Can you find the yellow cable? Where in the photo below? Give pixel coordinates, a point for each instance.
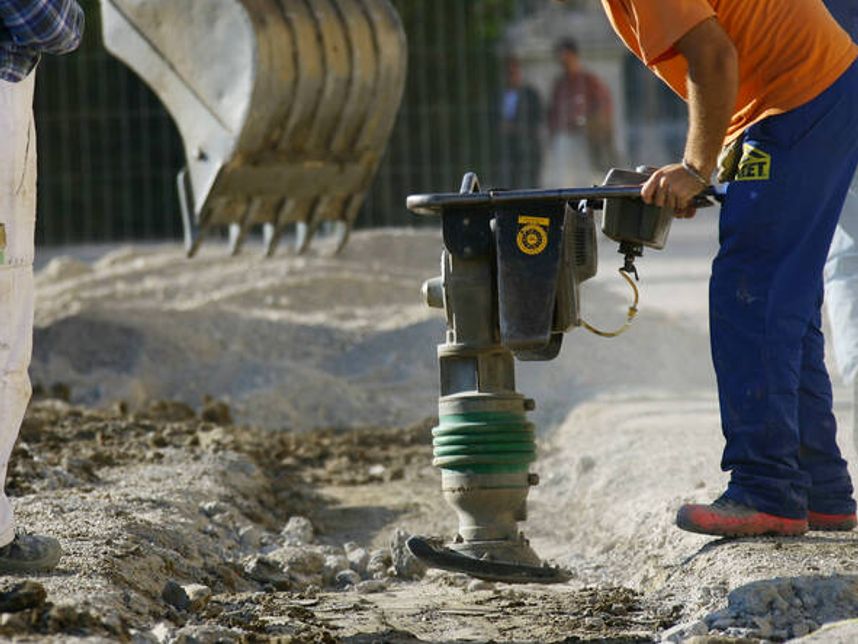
(633, 311)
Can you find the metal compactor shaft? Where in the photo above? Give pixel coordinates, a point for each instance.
(511, 269)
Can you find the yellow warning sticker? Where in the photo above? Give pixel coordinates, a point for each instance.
(755, 165)
(532, 237)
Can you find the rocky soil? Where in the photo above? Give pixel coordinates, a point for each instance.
(181, 527)
(277, 509)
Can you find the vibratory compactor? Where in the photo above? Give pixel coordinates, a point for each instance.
(511, 269)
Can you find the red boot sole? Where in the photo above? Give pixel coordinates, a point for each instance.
(702, 520)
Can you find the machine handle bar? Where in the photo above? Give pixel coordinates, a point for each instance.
(434, 204)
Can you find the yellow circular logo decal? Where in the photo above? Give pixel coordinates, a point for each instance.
(532, 239)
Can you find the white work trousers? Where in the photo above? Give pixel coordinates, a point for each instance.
(841, 287)
(18, 216)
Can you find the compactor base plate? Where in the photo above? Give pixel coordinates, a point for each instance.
(434, 554)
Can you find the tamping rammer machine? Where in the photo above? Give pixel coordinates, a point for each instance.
(511, 269)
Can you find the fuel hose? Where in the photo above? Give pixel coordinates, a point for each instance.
(630, 316)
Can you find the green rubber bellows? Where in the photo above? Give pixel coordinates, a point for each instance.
(484, 442)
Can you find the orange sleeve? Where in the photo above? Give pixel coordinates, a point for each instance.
(660, 23)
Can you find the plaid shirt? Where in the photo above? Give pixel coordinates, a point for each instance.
(29, 28)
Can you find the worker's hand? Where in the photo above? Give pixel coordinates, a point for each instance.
(673, 186)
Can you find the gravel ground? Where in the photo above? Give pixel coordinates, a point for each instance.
(276, 507)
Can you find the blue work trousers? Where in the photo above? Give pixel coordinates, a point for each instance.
(765, 300)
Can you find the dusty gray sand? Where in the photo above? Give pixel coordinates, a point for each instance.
(151, 495)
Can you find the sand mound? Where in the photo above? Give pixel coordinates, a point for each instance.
(311, 342)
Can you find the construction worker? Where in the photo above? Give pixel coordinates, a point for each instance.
(841, 269)
(778, 83)
(27, 29)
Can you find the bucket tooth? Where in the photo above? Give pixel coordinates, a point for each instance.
(304, 234)
(274, 99)
(192, 232)
(270, 239)
(341, 234)
(238, 231)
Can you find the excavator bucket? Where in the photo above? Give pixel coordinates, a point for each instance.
(285, 107)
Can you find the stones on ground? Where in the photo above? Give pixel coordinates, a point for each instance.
(784, 608)
(68, 617)
(22, 596)
(208, 635)
(842, 632)
(478, 585)
(161, 632)
(250, 537)
(371, 586)
(379, 564)
(216, 411)
(302, 561)
(358, 557)
(298, 531)
(334, 564)
(267, 571)
(682, 632)
(213, 508)
(14, 622)
(198, 596)
(406, 565)
(346, 578)
(594, 623)
(175, 595)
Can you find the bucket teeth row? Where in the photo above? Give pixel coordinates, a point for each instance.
(284, 106)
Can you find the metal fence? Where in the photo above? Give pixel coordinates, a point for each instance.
(109, 152)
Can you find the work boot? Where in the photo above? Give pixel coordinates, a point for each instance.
(727, 518)
(831, 522)
(29, 553)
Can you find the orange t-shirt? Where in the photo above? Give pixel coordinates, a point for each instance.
(790, 51)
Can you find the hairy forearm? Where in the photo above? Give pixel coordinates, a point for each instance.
(711, 98)
(713, 82)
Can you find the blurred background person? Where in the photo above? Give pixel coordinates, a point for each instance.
(580, 124)
(520, 129)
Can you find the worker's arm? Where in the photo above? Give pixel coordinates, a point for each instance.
(50, 26)
(713, 83)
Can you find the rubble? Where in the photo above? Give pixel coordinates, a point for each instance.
(406, 565)
(175, 595)
(379, 564)
(22, 596)
(358, 557)
(145, 492)
(346, 578)
(787, 608)
(298, 531)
